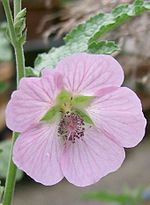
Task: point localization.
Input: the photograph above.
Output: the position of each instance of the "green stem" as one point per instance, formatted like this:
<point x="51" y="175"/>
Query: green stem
<point x="20" y="62"/>
<point x="20" y="69"/>
<point x="17" y="7"/>
<point x="11" y="175"/>
<point x="9" y="17"/>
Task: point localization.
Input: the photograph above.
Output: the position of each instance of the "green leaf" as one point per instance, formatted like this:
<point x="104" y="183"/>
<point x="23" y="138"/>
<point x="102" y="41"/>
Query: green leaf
<point x="5" y="48"/>
<point x="23" y="38"/>
<point x="129" y="197"/>
<point x="82" y="100"/>
<point x="1" y="192"/>
<point x="20" y="15"/>
<point x="136" y="196"/>
<point x="138" y="2"/>
<point x="20" y="25"/>
<point x="84" y="116"/>
<point x="30" y="72"/>
<point x="84" y="37"/>
<point x="50" y="114"/>
<point x="103" y="47"/>
<point x="54" y="56"/>
<point x="109" y="197"/>
<point x="147" y="5"/>
<point x="63" y="97"/>
<point x="5" y="146"/>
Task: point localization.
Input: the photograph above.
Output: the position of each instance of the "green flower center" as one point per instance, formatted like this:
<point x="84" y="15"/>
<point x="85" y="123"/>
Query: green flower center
<point x="67" y="103"/>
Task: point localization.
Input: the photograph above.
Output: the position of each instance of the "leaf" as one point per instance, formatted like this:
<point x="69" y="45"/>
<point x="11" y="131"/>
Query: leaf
<point x="5" y="146"/>
<point x="23" y="38"/>
<point x="30" y="72"/>
<point x="1" y="192"/>
<point x="5" y="48"/>
<point x="147" y="5"/>
<point x="20" y="19"/>
<point x="107" y="47"/>
<point x="20" y="25"/>
<point x="55" y="54"/>
<point x="136" y="196"/>
<point x="129" y="197"/>
<point x="85" y="36"/>
<point x="108" y="197"/>
<point x="82" y="100"/>
<point x="63" y="97"/>
<point x="84" y="116"/>
<point x="21" y="15"/>
<point x="50" y="114"/>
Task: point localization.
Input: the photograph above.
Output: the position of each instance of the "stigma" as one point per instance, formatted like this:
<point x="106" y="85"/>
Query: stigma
<point x="71" y="127"/>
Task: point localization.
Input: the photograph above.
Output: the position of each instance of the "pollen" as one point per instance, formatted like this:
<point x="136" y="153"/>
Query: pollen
<point x="71" y="127"/>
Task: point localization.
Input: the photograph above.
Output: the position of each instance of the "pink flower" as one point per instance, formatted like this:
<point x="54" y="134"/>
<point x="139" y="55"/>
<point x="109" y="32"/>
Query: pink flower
<point x="74" y="121"/>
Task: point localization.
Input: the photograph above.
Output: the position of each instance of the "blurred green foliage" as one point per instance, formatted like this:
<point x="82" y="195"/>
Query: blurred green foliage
<point x="129" y="197"/>
<point x="3" y="87"/>
<point x="5" y="53"/>
<point x="5" y="48"/>
<point x="5" y="148"/>
<point x="1" y="192"/>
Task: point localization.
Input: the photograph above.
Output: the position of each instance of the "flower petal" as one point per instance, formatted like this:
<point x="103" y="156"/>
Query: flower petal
<point x="31" y="101"/>
<point x="37" y="152"/>
<point x="87" y="73"/>
<point x="89" y="159"/>
<point x="118" y="113"/>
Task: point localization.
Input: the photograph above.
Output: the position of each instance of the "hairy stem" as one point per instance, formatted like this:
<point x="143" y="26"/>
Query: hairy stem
<point x="20" y="62"/>
<point x="17" y="6"/>
<point x="11" y="176"/>
<point x="20" y="70"/>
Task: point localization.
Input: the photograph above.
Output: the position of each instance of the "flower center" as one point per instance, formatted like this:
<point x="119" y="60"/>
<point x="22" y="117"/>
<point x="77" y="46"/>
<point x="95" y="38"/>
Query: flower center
<point x="71" y="127"/>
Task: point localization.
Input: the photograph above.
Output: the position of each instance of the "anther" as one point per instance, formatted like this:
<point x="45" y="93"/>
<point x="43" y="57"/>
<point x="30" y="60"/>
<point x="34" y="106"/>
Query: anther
<point x="71" y="127"/>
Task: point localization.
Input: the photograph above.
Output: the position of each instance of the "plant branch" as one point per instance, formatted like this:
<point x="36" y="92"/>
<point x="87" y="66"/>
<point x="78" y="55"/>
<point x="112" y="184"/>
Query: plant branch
<point x="11" y="176"/>
<point x="17" y="6"/>
<point x="18" y="47"/>
<point x="20" y="70"/>
<point x="9" y="17"/>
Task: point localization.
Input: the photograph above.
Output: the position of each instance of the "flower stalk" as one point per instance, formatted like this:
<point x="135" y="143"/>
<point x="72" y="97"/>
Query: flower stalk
<point x="20" y="70"/>
<point x="11" y="177"/>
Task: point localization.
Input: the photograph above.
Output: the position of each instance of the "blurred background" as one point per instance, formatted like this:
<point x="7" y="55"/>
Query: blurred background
<point x="47" y="22"/>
